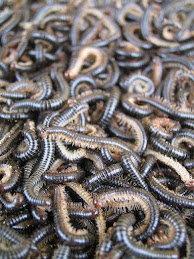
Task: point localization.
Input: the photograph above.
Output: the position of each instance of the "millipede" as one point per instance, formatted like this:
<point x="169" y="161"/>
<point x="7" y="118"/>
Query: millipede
<point x="96" y="129"/>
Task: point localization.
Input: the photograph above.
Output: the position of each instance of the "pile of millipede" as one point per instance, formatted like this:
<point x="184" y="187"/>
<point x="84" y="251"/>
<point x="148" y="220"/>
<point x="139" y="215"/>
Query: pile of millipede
<point x="96" y="129"/>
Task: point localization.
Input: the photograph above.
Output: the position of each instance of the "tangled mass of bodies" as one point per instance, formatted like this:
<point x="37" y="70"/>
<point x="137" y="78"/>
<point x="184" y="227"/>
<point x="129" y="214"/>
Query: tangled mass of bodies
<point x="96" y="129"/>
